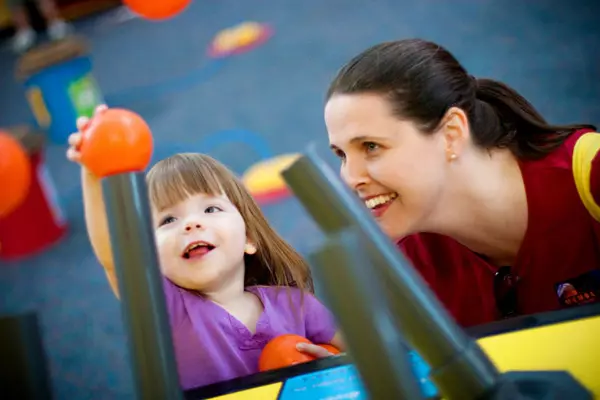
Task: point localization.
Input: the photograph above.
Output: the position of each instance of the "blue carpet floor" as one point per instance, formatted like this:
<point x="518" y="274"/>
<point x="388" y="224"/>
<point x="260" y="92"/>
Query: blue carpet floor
<point x="547" y="50"/>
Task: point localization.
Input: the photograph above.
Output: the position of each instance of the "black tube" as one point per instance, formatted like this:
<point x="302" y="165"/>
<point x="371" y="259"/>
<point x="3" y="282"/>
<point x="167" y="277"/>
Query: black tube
<point x="140" y="287"/>
<point x="375" y="344"/>
<point x="23" y="363"/>
<point x="460" y="368"/>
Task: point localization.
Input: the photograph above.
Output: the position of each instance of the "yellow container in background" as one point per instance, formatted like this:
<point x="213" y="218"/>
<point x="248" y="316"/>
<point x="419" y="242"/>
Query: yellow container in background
<point x="5" y="16"/>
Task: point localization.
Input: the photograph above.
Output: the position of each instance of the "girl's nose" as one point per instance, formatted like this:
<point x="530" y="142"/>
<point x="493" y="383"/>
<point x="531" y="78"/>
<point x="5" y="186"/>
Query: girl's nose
<point x="190" y="226"/>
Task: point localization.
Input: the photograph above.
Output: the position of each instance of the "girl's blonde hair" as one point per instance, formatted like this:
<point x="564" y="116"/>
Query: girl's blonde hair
<point x="275" y="263"/>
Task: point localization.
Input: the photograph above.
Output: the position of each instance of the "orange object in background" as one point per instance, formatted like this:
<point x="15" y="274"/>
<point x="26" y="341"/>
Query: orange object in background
<point x="239" y="38"/>
<point x="281" y="352"/>
<point x="116" y="141"/>
<point x="15" y="174"/>
<point x="157" y="9"/>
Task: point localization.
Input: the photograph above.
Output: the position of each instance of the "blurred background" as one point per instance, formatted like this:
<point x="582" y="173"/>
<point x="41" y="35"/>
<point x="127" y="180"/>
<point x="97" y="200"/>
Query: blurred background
<point x="242" y="109"/>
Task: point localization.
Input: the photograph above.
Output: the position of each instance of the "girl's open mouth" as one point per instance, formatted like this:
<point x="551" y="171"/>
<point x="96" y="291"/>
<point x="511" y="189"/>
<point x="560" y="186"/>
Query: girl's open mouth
<point x="197" y="249"/>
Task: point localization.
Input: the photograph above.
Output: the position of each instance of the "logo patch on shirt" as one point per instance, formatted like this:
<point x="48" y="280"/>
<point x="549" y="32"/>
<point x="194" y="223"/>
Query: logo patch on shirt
<point x="583" y="289"/>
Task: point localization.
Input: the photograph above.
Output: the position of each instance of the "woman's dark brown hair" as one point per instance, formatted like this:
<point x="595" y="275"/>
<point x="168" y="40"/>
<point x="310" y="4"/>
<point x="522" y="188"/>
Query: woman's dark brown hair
<point x="422" y="80"/>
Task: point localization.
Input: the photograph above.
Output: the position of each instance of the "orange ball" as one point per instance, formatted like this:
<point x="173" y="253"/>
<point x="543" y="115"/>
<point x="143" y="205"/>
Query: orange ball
<point x="15" y="174"/>
<point x="330" y="348"/>
<point x="157" y="9"/>
<point x="116" y="141"/>
<point x="281" y="352"/>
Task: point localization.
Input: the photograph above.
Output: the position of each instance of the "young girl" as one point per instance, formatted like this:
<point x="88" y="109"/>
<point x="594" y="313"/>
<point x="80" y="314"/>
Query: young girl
<point x="231" y="283"/>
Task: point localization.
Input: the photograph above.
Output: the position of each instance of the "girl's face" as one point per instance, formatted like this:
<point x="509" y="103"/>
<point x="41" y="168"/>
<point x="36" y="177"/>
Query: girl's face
<point x="201" y="243"/>
<point x="399" y="172"/>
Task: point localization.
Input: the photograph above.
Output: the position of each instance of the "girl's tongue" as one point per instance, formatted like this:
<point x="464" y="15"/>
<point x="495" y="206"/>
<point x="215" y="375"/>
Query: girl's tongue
<point x="199" y="251"/>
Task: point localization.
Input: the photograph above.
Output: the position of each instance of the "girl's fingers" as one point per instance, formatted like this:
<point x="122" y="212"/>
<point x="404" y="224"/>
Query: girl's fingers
<point x="100" y="108"/>
<point x="75" y="139"/>
<point x="73" y="155"/>
<point x="82" y="123"/>
<point x="313" y="350"/>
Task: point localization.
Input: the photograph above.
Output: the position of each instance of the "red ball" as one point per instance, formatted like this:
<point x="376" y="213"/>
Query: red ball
<point x="157" y="9"/>
<point x="116" y="141"/>
<point x="15" y="174"/>
<point x="281" y="352"/>
<point x="330" y="348"/>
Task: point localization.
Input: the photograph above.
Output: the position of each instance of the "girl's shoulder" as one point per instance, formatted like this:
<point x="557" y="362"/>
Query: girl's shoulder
<point x="292" y="302"/>
<point x="281" y="296"/>
<point x="178" y="297"/>
<point x="277" y="291"/>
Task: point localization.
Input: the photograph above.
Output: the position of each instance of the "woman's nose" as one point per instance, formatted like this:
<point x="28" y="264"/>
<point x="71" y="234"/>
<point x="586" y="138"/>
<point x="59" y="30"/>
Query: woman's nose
<point x="354" y="174"/>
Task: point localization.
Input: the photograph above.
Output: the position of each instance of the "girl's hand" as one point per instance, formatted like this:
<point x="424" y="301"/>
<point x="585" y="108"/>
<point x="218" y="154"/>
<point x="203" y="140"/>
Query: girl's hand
<point x="75" y="139"/>
<point x="313" y="350"/>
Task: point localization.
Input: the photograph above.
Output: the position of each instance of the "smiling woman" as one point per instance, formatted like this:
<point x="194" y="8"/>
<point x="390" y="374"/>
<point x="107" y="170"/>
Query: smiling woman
<point x="466" y="175"/>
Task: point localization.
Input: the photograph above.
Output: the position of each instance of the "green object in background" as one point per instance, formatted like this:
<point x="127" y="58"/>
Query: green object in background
<point x="84" y="95"/>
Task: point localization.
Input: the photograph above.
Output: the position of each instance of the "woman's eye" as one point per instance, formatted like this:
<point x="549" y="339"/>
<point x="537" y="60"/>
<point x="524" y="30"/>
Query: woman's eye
<point x="166" y="220"/>
<point x="339" y="154"/>
<point x="370" y="146"/>
<point x="212" y="209"/>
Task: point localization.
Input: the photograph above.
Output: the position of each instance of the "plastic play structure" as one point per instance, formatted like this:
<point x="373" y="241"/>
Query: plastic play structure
<point x="59" y="85"/>
<point x="28" y="196"/>
<point x="384" y="308"/>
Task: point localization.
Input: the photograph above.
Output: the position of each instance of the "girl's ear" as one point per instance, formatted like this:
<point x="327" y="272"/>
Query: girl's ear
<point x="250" y="248"/>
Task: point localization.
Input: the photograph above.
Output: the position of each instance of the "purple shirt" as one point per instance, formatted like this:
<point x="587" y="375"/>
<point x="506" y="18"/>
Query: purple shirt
<point x="211" y="345"/>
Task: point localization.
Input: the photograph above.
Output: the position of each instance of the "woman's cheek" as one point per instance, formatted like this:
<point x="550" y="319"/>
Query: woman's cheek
<point x="382" y="172"/>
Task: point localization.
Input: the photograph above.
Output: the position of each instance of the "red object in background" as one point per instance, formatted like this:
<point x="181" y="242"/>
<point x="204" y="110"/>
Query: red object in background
<point x="15" y="173"/>
<point x="281" y="352"/>
<point x="157" y="9"/>
<point x="38" y="222"/>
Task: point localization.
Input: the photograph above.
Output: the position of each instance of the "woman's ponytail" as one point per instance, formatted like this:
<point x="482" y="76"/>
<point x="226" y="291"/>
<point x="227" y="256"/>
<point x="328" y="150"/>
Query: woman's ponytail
<point x="503" y="118"/>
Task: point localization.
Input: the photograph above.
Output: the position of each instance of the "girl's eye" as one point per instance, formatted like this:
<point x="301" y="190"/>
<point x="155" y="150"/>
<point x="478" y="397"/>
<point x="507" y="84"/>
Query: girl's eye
<point x="166" y="220"/>
<point x="212" y="209"/>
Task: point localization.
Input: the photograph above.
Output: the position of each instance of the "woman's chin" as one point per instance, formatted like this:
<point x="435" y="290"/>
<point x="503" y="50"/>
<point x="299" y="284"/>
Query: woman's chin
<point x="392" y="228"/>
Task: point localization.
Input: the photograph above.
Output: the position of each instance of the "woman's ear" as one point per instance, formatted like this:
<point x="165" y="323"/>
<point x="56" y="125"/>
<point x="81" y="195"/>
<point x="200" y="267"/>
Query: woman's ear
<point x="455" y="128"/>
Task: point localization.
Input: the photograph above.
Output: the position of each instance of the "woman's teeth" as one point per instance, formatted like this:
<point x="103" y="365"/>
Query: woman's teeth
<point x="380" y="200"/>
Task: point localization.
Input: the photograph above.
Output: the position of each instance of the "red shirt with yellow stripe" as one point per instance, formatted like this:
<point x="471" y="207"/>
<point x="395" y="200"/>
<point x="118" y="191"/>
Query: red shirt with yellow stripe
<point x="559" y="260"/>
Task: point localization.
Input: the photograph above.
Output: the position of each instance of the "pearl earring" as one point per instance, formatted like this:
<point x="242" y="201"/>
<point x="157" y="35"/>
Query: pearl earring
<point x="249" y="248"/>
